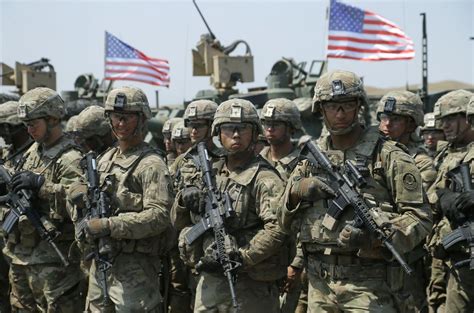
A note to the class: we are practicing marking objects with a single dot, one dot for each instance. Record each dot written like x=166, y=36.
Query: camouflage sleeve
x=286, y=213
x=66, y=172
x=413, y=219
x=267, y=241
x=427, y=169
x=298, y=260
x=153, y=178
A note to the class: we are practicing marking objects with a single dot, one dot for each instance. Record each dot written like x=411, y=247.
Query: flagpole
x=326, y=37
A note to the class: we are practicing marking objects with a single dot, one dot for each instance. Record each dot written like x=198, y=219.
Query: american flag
x=123, y=62
x=363, y=35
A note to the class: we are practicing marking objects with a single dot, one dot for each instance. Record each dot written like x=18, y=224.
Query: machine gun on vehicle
x=347, y=195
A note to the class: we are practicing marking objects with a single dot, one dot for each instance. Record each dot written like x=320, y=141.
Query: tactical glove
x=353, y=237
x=27, y=180
x=193, y=199
x=97, y=228
x=310, y=189
x=447, y=203
x=210, y=261
x=465, y=201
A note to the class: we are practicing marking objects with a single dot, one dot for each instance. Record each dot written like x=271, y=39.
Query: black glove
x=353, y=237
x=26, y=180
x=465, y=201
x=193, y=199
x=447, y=203
x=210, y=261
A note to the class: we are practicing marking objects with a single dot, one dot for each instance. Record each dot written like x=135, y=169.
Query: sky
x=71, y=35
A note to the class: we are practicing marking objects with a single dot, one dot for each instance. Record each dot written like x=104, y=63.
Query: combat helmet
x=453, y=102
x=430, y=123
x=91, y=122
x=283, y=110
x=169, y=124
x=338, y=85
x=470, y=111
x=180, y=131
x=128, y=99
x=9, y=113
x=236, y=111
x=200, y=110
x=40, y=102
x=404, y=103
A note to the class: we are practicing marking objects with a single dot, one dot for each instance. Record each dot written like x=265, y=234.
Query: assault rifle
x=218, y=208
x=347, y=179
x=460, y=178
x=97, y=207
x=20, y=203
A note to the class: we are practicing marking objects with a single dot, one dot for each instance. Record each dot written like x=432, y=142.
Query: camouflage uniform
x=140, y=199
x=347, y=278
x=430, y=125
x=38, y=279
x=284, y=110
x=254, y=190
x=167, y=130
x=460, y=285
x=405, y=103
x=11, y=156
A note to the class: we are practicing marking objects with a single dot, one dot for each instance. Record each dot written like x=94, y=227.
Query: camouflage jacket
x=285, y=165
x=59, y=165
x=140, y=198
x=255, y=191
x=423, y=161
x=393, y=186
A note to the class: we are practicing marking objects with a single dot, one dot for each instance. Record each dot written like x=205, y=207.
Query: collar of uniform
x=287, y=159
x=127, y=158
x=56, y=149
x=242, y=175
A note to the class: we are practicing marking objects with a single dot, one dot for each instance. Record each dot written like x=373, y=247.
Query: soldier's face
x=199, y=130
x=394, y=126
x=37, y=129
x=276, y=132
x=169, y=144
x=236, y=137
x=182, y=145
x=431, y=138
x=454, y=126
x=340, y=115
x=124, y=124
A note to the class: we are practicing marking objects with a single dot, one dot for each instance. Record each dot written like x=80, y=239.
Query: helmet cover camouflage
x=283, y=110
x=236, y=111
x=430, y=122
x=9, y=113
x=169, y=124
x=180, y=131
x=40, y=102
x=92, y=122
x=71, y=124
x=404, y=103
x=453, y=102
x=200, y=110
x=470, y=110
x=338, y=85
x=128, y=99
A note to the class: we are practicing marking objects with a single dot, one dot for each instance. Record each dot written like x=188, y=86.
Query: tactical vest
x=125, y=197
x=24, y=241
x=285, y=165
x=368, y=157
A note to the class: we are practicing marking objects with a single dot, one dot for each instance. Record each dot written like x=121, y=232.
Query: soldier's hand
x=353, y=237
x=97, y=228
x=26, y=180
x=465, y=201
x=292, y=277
x=447, y=203
x=310, y=189
x=208, y=264
x=193, y=199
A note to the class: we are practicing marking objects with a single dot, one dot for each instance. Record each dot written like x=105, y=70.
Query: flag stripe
x=123, y=62
x=363, y=35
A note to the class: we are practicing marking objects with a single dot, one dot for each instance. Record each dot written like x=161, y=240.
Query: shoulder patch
x=409, y=181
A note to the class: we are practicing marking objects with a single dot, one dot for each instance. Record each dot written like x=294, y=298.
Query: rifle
x=348, y=196
x=20, y=203
x=97, y=207
x=460, y=178
x=218, y=207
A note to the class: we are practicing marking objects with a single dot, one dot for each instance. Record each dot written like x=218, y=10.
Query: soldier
x=347, y=267
x=140, y=200
x=281, y=119
x=181, y=137
x=400, y=113
x=70, y=126
x=254, y=188
x=432, y=133
x=169, y=145
x=92, y=130
x=38, y=279
x=15, y=135
x=453, y=206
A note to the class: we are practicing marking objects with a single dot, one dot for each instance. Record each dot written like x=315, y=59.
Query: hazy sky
x=71, y=35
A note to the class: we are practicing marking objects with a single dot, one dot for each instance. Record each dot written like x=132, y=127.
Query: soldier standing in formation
x=347, y=267
x=39, y=280
x=432, y=133
x=254, y=189
x=452, y=201
x=140, y=199
x=168, y=143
